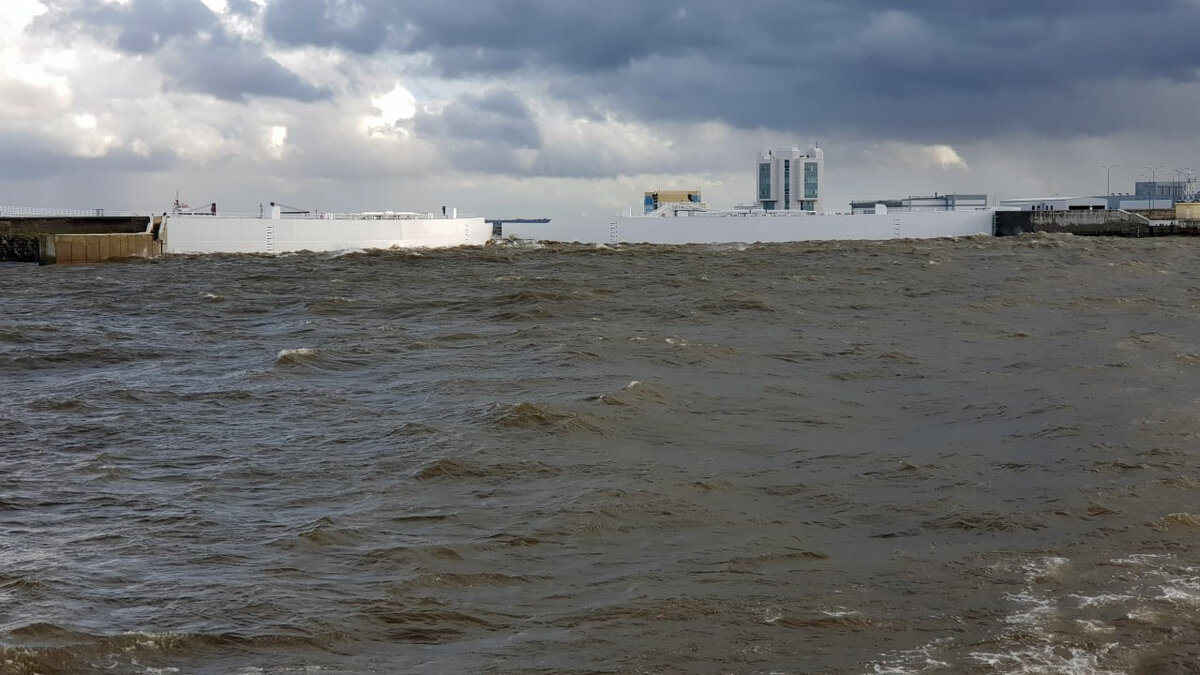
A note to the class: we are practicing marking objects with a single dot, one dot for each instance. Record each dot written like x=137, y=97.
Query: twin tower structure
x=785, y=181
x=790, y=180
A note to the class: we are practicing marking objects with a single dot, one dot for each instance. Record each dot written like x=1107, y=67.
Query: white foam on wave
x=770, y=615
x=1036, y=609
x=1185, y=591
x=1049, y=659
x=295, y=355
x=1038, y=644
x=913, y=661
x=1044, y=567
x=1101, y=599
x=1097, y=627
x=1140, y=559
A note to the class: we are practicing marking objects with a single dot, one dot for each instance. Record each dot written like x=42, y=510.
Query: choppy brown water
x=899, y=457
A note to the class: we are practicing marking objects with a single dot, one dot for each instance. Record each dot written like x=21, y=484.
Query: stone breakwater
x=19, y=248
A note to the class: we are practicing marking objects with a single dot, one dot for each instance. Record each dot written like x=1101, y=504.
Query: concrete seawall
x=1091, y=222
x=75, y=240
x=76, y=225
x=80, y=249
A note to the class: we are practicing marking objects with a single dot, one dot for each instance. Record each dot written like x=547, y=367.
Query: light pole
x=1181, y=176
x=1153, y=183
x=1108, y=179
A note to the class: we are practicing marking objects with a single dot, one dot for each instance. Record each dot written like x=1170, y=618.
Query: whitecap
x=1102, y=599
x=295, y=355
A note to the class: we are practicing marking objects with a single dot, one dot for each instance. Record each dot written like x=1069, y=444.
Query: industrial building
x=1055, y=204
x=659, y=198
x=790, y=180
x=1164, y=192
x=954, y=202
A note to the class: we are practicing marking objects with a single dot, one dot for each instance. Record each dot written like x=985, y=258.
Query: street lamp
x=1108, y=178
x=1153, y=183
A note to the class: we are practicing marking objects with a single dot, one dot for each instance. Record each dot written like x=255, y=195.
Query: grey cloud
x=491, y=132
x=140, y=27
x=189, y=43
x=232, y=71
x=361, y=26
x=30, y=158
x=498, y=117
x=923, y=67
x=244, y=7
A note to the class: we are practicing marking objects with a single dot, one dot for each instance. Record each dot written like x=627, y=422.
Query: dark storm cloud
x=483, y=36
x=354, y=25
x=489, y=132
x=189, y=42
x=232, y=71
x=140, y=27
x=919, y=67
x=498, y=117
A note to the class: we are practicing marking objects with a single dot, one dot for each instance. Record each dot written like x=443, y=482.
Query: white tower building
x=790, y=180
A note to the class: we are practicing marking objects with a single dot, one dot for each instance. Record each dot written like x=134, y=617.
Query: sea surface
x=948, y=456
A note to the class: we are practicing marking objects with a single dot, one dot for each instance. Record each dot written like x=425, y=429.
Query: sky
x=531, y=108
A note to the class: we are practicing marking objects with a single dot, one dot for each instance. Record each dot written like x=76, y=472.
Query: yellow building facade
x=657, y=198
x=1187, y=211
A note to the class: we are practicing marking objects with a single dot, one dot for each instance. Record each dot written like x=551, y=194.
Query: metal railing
x=42, y=212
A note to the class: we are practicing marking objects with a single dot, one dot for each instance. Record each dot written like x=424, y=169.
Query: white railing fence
x=41, y=212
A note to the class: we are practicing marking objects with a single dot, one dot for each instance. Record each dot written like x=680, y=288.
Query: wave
x=49, y=649
x=1176, y=521
x=746, y=563
x=737, y=301
x=453, y=468
x=296, y=356
x=79, y=358
x=434, y=623
x=634, y=393
x=983, y=523
x=544, y=418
